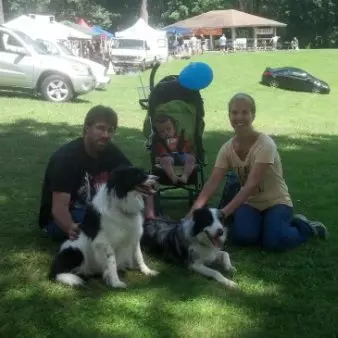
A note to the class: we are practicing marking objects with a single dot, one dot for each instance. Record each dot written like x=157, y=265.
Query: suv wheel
x=56, y=88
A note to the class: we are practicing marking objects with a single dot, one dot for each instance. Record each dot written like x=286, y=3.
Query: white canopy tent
x=51, y=31
x=140, y=30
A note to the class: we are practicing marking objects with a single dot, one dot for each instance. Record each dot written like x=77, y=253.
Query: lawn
x=293, y=294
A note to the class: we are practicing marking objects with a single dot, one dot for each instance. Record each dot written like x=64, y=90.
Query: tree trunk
x=144, y=11
x=2, y=19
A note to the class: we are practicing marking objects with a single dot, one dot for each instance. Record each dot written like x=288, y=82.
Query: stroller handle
x=152, y=75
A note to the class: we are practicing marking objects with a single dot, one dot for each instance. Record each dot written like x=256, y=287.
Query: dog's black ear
x=202, y=218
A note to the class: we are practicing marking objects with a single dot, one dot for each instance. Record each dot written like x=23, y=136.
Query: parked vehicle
x=129, y=54
x=99, y=71
x=294, y=79
x=24, y=65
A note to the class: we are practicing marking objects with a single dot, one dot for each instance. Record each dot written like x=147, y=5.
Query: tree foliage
x=314, y=22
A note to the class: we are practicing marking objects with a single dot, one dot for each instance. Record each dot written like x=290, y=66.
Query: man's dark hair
x=100, y=113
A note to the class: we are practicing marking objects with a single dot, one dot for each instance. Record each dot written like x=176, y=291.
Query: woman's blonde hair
x=243, y=96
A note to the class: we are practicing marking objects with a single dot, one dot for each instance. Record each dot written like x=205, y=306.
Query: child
x=170, y=147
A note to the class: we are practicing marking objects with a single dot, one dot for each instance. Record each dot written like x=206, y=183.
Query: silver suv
x=25, y=65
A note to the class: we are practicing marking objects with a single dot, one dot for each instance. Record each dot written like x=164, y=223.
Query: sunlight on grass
x=3, y=199
x=280, y=295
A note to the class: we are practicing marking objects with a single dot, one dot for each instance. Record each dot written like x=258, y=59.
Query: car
x=294, y=79
x=25, y=66
x=58, y=48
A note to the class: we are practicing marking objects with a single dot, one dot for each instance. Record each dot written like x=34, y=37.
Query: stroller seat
x=186, y=108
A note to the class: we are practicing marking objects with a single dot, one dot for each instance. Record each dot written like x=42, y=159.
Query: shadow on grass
x=26, y=95
x=286, y=294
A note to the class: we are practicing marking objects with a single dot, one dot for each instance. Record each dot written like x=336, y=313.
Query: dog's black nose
x=220, y=232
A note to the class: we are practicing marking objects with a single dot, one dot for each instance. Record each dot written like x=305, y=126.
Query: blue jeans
x=179, y=158
x=274, y=228
x=56, y=233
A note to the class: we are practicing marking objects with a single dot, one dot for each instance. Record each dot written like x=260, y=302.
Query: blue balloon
x=196, y=76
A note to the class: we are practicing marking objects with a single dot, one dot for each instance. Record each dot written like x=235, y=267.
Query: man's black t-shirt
x=72, y=170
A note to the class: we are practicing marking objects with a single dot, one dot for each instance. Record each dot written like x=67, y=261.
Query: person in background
x=203, y=44
x=223, y=43
x=193, y=45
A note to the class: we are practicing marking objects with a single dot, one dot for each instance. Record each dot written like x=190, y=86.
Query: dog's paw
x=118, y=284
x=232, y=270
x=230, y=284
x=113, y=282
x=149, y=272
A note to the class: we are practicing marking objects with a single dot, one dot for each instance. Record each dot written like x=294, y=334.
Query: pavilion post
x=211, y=42
x=233, y=37
x=254, y=38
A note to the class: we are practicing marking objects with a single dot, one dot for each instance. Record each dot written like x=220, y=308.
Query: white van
x=134, y=53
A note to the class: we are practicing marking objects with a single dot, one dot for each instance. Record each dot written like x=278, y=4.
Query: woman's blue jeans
x=274, y=228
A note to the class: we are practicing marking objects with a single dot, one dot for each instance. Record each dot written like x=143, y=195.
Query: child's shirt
x=172, y=143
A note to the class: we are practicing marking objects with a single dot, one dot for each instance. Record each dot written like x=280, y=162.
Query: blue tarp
x=178, y=30
x=100, y=30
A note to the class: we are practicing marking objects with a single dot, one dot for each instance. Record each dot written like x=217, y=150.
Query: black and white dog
x=197, y=241
x=110, y=232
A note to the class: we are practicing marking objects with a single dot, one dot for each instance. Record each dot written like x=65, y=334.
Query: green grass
x=293, y=294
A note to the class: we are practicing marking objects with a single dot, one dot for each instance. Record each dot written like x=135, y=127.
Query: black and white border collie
x=197, y=242
x=110, y=232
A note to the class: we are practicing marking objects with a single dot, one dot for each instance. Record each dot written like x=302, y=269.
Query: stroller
x=187, y=110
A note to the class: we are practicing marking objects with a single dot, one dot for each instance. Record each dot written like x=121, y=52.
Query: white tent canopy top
x=36, y=29
x=140, y=30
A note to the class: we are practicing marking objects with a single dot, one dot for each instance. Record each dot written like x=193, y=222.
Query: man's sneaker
x=318, y=228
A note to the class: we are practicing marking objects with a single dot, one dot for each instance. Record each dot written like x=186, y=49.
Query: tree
x=2, y=19
x=314, y=22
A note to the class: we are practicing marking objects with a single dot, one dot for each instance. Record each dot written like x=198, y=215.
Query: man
x=203, y=44
x=76, y=170
x=274, y=41
x=223, y=43
x=193, y=45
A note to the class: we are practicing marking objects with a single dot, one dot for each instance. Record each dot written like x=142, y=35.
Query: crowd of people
x=180, y=46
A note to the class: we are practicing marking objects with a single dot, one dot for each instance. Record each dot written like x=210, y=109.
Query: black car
x=294, y=79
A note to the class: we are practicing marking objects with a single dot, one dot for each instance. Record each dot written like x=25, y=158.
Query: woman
x=262, y=210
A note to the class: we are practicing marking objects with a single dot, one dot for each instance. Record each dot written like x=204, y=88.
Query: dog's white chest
x=123, y=231
x=205, y=254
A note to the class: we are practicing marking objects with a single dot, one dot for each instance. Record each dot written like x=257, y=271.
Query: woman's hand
x=189, y=214
x=208, y=190
x=74, y=231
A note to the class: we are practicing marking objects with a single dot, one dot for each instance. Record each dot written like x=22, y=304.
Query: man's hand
x=146, y=191
x=74, y=231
